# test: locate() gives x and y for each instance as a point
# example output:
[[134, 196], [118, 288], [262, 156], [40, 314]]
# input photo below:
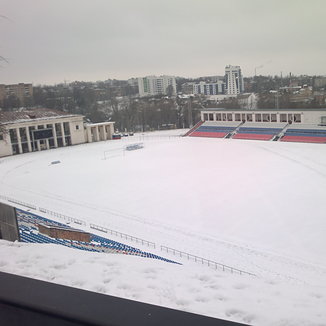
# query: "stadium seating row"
[[305, 135], [209, 129], [257, 133], [212, 131], [27, 223]]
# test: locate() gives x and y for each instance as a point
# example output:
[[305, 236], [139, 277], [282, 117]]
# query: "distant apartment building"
[[153, 85], [21, 91], [233, 80], [204, 88], [209, 88]]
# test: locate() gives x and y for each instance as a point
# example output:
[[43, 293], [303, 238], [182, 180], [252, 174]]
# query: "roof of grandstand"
[[264, 125], [222, 123], [33, 114], [306, 126]]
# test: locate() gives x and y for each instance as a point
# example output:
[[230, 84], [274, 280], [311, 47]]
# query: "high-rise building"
[[233, 80], [153, 85]]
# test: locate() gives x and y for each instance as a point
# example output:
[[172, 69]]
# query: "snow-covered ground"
[[256, 206]]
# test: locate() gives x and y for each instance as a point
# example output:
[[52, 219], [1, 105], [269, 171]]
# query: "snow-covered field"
[[256, 206]]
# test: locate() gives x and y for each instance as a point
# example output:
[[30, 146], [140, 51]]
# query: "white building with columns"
[[40, 129]]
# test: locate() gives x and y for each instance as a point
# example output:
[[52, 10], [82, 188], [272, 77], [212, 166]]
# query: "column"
[[97, 134], [111, 130], [54, 135], [104, 132], [89, 134], [63, 134], [19, 141], [28, 140], [47, 143]]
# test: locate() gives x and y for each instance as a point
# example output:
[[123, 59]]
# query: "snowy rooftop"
[[9, 117]]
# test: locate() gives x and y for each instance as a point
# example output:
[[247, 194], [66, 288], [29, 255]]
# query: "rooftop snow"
[[9, 117]]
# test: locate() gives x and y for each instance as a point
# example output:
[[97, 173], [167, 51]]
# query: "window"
[[243, 117], [66, 128], [77, 127], [205, 117], [229, 116], [323, 121], [237, 117], [249, 117], [13, 136], [211, 117], [273, 117], [218, 116], [297, 117], [290, 118], [224, 116], [283, 118], [258, 117], [266, 117]]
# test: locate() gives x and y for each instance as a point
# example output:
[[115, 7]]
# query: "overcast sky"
[[49, 41]]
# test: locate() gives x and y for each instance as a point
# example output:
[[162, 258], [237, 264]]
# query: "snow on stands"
[[257, 206], [213, 129], [261, 131], [305, 134]]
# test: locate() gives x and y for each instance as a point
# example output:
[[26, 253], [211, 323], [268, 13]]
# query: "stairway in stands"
[[280, 134], [197, 125]]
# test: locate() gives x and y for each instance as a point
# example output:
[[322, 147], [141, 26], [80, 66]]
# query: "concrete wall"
[[77, 131], [5, 145], [8, 223]]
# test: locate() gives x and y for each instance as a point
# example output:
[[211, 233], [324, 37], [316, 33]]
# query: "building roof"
[[7, 117]]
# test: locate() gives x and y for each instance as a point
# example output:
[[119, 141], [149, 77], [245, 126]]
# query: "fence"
[[122, 235], [204, 261], [15, 201], [69, 219], [62, 216], [196, 259]]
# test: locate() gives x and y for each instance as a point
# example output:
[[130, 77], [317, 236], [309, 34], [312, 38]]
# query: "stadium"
[[226, 222]]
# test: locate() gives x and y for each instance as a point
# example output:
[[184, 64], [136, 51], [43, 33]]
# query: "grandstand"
[[305, 133], [214, 130], [259, 131], [28, 225], [292, 125]]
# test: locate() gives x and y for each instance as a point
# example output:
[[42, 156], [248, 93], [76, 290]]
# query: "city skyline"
[[49, 42]]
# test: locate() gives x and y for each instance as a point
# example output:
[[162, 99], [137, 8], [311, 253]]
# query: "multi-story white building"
[[209, 88], [153, 85], [233, 80], [41, 129]]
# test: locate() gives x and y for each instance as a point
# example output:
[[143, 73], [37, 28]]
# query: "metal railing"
[[204, 261], [62, 216], [175, 252], [70, 219], [122, 235], [21, 203]]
